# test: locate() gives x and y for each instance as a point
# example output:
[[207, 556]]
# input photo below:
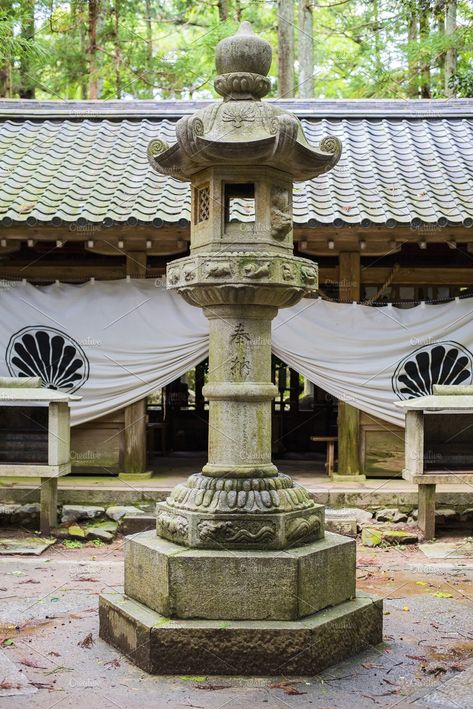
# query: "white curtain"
[[114, 342], [374, 356], [111, 343]]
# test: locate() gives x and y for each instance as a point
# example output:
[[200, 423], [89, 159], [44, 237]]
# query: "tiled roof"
[[402, 161]]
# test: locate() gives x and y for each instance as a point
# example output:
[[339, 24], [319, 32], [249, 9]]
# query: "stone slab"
[[455, 693], [14, 681], [341, 524], [31, 546], [133, 524], [160, 645], [235, 585], [448, 550]]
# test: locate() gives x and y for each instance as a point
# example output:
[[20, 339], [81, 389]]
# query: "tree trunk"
[[451, 55], [6, 10], [149, 45], [92, 48], [286, 48], [223, 10], [238, 10], [412, 38], [26, 88], [117, 48], [377, 43], [306, 50], [439, 11], [424, 29]]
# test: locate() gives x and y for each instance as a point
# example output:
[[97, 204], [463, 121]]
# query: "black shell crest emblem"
[[437, 363], [50, 354]]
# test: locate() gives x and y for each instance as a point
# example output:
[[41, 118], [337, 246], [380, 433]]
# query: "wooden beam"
[[348, 416], [135, 454], [134, 459], [136, 264], [426, 511], [85, 232], [67, 271], [429, 232], [415, 275], [48, 505]]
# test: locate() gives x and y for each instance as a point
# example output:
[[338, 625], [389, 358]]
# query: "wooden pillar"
[[426, 511], [349, 466], [48, 505], [135, 453]]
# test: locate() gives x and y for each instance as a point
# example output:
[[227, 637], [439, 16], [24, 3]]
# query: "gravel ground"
[[49, 630]]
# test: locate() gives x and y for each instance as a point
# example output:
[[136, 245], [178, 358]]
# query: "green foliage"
[[164, 48], [72, 544]]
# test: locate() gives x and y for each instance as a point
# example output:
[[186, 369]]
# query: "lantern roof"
[[243, 130]]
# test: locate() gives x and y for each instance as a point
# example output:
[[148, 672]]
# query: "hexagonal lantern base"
[[208, 611], [160, 645]]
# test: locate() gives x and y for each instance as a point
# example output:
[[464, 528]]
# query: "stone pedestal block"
[[233, 530], [160, 645], [239, 585]]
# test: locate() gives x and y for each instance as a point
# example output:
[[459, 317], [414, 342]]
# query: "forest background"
[[164, 49]]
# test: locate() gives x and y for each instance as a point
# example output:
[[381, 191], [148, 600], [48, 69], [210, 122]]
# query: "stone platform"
[[160, 645]]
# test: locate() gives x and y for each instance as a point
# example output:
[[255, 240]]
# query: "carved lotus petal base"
[[239, 495], [239, 530]]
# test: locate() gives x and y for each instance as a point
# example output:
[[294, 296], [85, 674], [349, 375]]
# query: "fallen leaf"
[[31, 663], [443, 594], [8, 641], [29, 581], [421, 583], [287, 688], [211, 687], [26, 207], [406, 608], [87, 642], [5, 684], [193, 678], [435, 670], [54, 654], [113, 663], [369, 665], [456, 667]]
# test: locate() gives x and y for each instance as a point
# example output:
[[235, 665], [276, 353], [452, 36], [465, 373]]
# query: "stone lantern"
[[241, 576]]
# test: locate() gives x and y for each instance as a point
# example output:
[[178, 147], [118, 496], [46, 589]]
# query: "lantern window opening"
[[202, 204], [239, 202]]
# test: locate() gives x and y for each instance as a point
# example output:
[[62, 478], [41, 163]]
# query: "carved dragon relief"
[[236, 531], [302, 527], [173, 525]]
